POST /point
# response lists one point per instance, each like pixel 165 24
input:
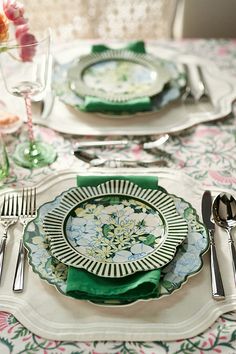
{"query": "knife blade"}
pixel 92 144
pixel 216 280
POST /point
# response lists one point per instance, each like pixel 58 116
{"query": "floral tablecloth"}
pixel 205 152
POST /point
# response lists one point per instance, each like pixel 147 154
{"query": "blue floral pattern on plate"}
pixel 114 229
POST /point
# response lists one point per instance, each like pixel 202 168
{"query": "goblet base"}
pixel 34 154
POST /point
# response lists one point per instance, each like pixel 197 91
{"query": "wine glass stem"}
pixel 28 106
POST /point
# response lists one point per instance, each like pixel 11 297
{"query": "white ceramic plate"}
pixel 115 229
pixel 117 75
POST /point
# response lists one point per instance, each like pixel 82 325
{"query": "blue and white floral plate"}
pixel 115 229
pixel 118 75
pixel 171 91
pixel 187 261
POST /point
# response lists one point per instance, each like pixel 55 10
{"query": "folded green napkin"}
pixel 95 104
pixel 141 285
pixel 136 47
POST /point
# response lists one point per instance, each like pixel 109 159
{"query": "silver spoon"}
pixel 224 213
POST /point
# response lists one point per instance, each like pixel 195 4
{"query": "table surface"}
pixel 204 152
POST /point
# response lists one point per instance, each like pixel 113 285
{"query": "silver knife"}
pixel 216 280
pixel 205 95
pixel 92 144
pixel 148 145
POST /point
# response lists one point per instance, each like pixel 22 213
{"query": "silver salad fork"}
pixel 26 213
pixel 8 217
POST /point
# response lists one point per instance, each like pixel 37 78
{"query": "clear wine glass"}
pixel 25 73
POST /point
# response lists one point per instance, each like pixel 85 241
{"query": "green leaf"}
pixel 167 285
pixel 20 332
pixel 187 212
pixel 3 49
pixel 228 345
pixel 106 229
pixel 30 348
pixel 114 200
pixel 150 239
pixel 233 336
pixel 12 319
pixel 8 344
pixel 141 224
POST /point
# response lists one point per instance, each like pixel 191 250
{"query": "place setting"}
pixel 114 242
pixel 106 255
pixel 113 88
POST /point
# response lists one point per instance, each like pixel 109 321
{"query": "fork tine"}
pixel 3 206
pixel 28 211
pixel 9 216
pixel 29 198
pixel 31 202
pixel 12 206
pixel 22 203
pixel 17 205
pixel 34 203
pixel 27 202
pixel 9 206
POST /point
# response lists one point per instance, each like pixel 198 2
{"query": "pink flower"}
pixel 20 21
pixel 28 50
pixel 13 9
pixel 20 30
pixel 222 177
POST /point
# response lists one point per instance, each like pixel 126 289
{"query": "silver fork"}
pixel 188 95
pixel 8 217
pixel 205 95
pixel 26 213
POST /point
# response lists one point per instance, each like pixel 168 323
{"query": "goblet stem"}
pixel 4 163
pixel 33 153
pixel 28 106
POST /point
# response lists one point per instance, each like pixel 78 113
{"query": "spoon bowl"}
pixel 224 214
pixel 224 210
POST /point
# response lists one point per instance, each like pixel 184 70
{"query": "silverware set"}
pixel 98 161
pixel 17 208
pixel 95 161
pixel 222 212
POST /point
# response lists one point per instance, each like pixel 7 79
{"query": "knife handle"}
pixel 216 280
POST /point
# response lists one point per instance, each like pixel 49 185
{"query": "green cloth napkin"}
pixel 136 47
pixel 95 104
pixel 141 285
